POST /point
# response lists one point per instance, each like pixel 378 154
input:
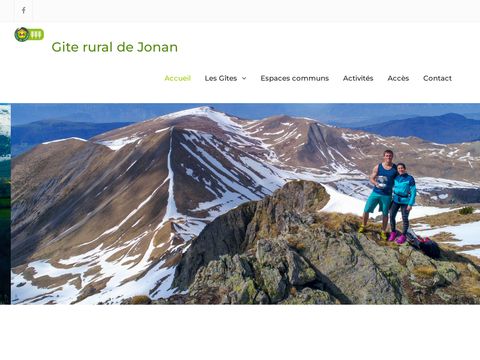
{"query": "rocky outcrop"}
pixel 225 235
pixel 283 250
pixel 272 274
pixel 238 229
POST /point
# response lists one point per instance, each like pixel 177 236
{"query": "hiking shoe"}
pixel 401 239
pixel 392 236
pixel 383 235
pixel 361 229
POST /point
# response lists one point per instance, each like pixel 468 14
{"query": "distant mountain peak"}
pixel 453 116
pixel 226 122
pixel 196 111
pixel 444 129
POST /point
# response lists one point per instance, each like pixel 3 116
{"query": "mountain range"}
pixel 104 219
pixel 29 135
pixel 445 129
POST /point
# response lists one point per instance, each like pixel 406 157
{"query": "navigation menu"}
pixel 330 78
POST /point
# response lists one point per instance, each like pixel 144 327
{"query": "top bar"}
pixel 241 11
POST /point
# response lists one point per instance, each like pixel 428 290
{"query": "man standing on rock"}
pixel 382 177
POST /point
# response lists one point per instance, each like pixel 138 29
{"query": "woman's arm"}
pixel 413 193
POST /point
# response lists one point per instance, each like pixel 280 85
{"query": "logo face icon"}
pixel 22 34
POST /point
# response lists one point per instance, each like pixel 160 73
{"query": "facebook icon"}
pixel 24 10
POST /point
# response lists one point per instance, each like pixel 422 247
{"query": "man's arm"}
pixel 373 176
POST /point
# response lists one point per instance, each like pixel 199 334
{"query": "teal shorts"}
pixel 374 199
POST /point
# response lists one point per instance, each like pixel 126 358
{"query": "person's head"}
pixel 401 168
pixel 388 156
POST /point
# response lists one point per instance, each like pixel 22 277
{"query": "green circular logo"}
pixel 22 34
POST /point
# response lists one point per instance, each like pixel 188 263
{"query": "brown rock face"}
pixel 235 231
pixel 310 257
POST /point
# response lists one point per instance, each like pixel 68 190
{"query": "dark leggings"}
pixel 393 213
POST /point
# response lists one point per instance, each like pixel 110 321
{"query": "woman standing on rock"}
pixel 404 192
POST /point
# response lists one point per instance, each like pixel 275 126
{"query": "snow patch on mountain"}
pixel 117 144
pixel 474 252
pixel 466 233
pixel 59 140
pixel 221 119
pixel 171 212
pixel 121 276
pixel 161 130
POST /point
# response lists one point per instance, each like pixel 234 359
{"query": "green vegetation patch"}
pixel 467 210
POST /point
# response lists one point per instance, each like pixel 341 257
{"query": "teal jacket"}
pixel 404 190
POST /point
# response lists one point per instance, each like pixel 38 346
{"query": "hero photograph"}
pixel 245 204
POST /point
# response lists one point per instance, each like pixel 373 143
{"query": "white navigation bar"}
pixel 261 62
pixel 248 11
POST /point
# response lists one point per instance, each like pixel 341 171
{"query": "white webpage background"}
pixel 33 73
pixel 250 50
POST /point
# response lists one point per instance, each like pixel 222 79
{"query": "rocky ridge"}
pixel 295 254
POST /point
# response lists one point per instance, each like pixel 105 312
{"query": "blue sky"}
pixel 329 113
